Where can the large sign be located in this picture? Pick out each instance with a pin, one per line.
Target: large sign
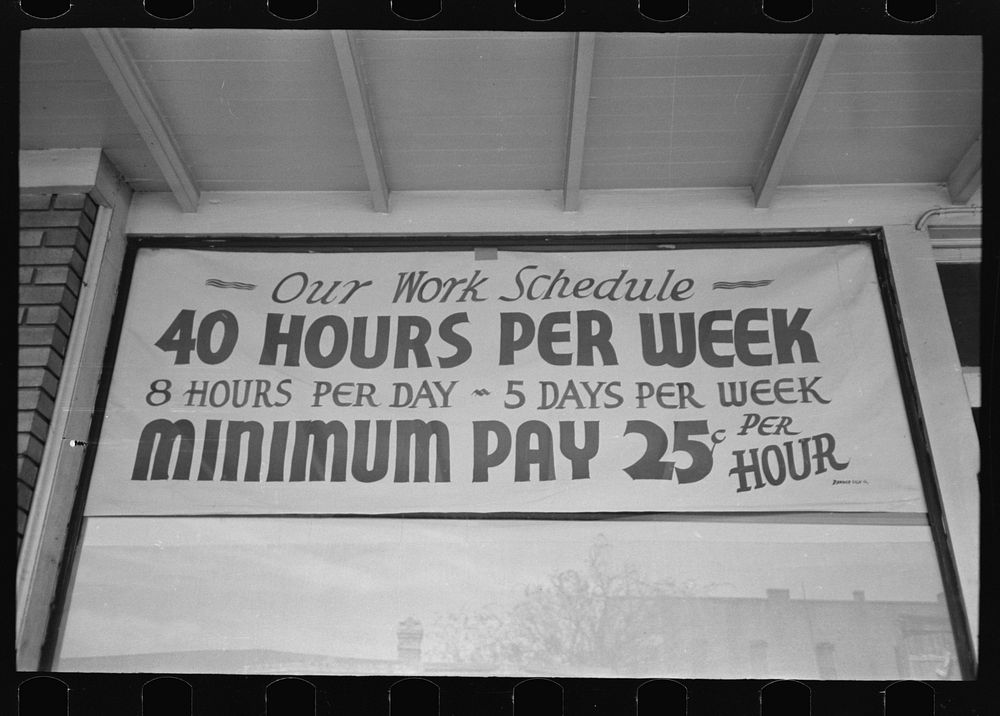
(676, 379)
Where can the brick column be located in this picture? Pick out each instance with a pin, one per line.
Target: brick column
(55, 232)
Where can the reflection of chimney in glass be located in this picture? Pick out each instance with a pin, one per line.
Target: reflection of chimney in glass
(409, 634)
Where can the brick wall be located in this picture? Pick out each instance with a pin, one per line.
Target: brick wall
(55, 232)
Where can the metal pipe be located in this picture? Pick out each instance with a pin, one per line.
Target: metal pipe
(945, 210)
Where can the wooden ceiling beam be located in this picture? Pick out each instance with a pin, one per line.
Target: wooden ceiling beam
(805, 84)
(364, 126)
(583, 66)
(966, 177)
(113, 55)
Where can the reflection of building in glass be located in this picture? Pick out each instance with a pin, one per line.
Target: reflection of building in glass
(825, 660)
(810, 638)
(713, 637)
(409, 638)
(757, 663)
(410, 634)
(926, 648)
(777, 636)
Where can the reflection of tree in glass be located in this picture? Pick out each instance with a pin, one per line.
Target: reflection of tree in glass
(604, 618)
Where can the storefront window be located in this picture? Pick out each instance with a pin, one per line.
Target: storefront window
(633, 463)
(629, 598)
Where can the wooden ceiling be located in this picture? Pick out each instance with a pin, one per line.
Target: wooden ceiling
(270, 110)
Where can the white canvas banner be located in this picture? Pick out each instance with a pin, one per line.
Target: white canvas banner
(693, 379)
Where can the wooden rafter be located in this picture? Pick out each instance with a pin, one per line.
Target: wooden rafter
(966, 177)
(583, 65)
(111, 52)
(805, 84)
(364, 126)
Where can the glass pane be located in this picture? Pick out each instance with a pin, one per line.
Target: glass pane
(624, 598)
(960, 283)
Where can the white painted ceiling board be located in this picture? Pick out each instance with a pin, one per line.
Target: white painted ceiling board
(67, 101)
(696, 115)
(905, 155)
(746, 153)
(230, 45)
(907, 53)
(474, 67)
(266, 110)
(470, 99)
(56, 116)
(956, 113)
(488, 155)
(58, 55)
(640, 107)
(271, 72)
(267, 182)
(902, 82)
(495, 126)
(63, 96)
(445, 141)
(278, 93)
(693, 66)
(223, 86)
(151, 185)
(632, 176)
(379, 45)
(282, 165)
(490, 91)
(82, 137)
(717, 174)
(883, 115)
(731, 85)
(277, 120)
(628, 44)
(695, 44)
